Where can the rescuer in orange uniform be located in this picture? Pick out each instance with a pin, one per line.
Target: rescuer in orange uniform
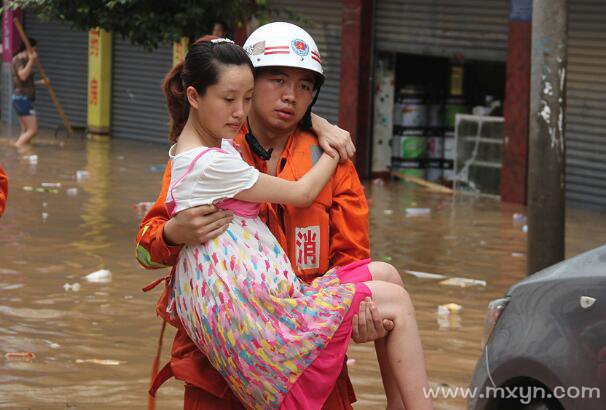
(333, 231)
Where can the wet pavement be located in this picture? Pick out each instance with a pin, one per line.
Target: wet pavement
(93, 347)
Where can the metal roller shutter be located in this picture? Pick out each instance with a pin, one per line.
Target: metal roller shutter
(138, 104)
(475, 28)
(586, 105)
(322, 20)
(64, 55)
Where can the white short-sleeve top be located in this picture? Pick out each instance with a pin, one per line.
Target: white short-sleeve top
(203, 175)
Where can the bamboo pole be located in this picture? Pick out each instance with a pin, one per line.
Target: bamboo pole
(427, 184)
(51, 91)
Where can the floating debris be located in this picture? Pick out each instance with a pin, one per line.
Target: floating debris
(388, 212)
(71, 191)
(51, 184)
(74, 287)
(519, 219)
(104, 362)
(82, 175)
(425, 275)
(52, 345)
(410, 212)
(463, 282)
(100, 276)
(449, 308)
(32, 159)
(19, 356)
(157, 168)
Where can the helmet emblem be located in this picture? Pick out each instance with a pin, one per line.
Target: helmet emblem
(300, 47)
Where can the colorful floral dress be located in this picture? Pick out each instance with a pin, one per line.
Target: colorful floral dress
(240, 301)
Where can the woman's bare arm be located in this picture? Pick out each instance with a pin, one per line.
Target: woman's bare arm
(301, 193)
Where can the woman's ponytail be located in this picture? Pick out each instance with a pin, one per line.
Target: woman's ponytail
(200, 70)
(176, 101)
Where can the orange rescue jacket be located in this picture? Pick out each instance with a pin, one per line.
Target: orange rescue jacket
(3, 190)
(333, 231)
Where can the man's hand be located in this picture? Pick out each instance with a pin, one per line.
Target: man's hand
(195, 226)
(333, 139)
(368, 326)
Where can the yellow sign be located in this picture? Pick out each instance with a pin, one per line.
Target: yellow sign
(180, 50)
(99, 80)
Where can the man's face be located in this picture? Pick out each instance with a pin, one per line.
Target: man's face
(282, 96)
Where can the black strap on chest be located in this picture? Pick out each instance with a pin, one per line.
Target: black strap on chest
(255, 146)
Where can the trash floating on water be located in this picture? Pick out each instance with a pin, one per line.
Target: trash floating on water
(517, 254)
(52, 345)
(19, 356)
(525, 229)
(449, 321)
(44, 216)
(388, 212)
(104, 362)
(28, 188)
(100, 276)
(463, 282)
(82, 175)
(51, 184)
(157, 168)
(32, 159)
(351, 362)
(519, 219)
(417, 212)
(378, 182)
(51, 190)
(74, 287)
(71, 191)
(425, 275)
(449, 308)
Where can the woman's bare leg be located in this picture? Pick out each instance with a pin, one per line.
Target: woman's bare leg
(387, 273)
(30, 123)
(403, 344)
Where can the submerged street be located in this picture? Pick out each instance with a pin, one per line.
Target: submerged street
(93, 344)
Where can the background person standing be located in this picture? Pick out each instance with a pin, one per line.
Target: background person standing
(24, 91)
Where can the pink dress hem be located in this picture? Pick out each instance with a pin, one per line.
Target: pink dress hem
(312, 388)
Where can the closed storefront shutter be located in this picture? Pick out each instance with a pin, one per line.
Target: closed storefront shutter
(138, 104)
(477, 29)
(63, 53)
(322, 20)
(586, 105)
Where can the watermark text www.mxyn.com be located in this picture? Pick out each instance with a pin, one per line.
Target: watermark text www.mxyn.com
(525, 394)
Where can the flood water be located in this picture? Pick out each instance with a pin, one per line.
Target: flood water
(94, 347)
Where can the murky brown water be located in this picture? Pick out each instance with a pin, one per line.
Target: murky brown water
(69, 331)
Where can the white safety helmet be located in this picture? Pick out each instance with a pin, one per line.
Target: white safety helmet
(284, 45)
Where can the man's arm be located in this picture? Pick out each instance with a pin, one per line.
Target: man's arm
(160, 237)
(350, 241)
(349, 236)
(152, 250)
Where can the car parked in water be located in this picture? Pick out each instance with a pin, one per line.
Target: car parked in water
(546, 341)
